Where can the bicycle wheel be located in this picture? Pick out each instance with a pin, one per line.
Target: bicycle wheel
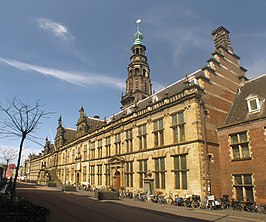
(195, 204)
(136, 197)
(209, 205)
(262, 209)
(169, 201)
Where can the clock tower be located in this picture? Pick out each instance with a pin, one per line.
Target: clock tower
(138, 84)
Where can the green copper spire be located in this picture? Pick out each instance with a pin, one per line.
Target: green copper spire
(138, 36)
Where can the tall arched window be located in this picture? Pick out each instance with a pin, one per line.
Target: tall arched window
(144, 72)
(145, 86)
(137, 71)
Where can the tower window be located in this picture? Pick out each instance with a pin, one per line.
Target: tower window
(145, 86)
(144, 72)
(137, 51)
(137, 84)
(137, 71)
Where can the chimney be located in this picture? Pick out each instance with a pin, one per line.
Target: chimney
(221, 38)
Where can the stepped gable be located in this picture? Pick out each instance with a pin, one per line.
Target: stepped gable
(254, 88)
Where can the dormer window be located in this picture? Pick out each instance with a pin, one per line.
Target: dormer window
(155, 98)
(193, 81)
(254, 103)
(129, 111)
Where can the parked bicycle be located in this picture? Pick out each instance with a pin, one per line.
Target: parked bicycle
(196, 202)
(225, 202)
(236, 205)
(141, 197)
(213, 203)
(179, 201)
(158, 197)
(250, 206)
(170, 199)
(192, 201)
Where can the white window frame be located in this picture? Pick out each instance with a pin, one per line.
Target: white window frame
(250, 99)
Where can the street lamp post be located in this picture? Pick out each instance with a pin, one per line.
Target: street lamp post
(65, 167)
(89, 161)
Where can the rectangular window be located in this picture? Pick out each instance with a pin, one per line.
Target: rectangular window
(129, 140)
(159, 172)
(107, 174)
(85, 152)
(92, 174)
(84, 173)
(142, 137)
(99, 174)
(129, 174)
(240, 146)
(100, 149)
(117, 143)
(92, 150)
(178, 126)
(108, 146)
(180, 171)
(72, 174)
(67, 175)
(158, 133)
(73, 156)
(254, 104)
(244, 188)
(142, 171)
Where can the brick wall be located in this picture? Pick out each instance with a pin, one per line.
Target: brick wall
(256, 165)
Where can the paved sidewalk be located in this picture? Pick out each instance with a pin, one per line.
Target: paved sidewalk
(218, 215)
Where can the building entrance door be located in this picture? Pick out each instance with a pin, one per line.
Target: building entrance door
(77, 179)
(117, 181)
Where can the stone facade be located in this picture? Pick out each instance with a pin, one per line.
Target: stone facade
(172, 133)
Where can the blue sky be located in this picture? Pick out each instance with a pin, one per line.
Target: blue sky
(73, 53)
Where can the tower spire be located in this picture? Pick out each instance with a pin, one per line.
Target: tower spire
(138, 36)
(138, 84)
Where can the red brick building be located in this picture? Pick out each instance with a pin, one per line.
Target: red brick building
(242, 142)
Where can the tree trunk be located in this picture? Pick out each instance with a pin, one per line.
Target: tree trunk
(18, 163)
(7, 162)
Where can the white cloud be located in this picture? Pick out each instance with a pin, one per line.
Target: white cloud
(76, 78)
(179, 28)
(55, 28)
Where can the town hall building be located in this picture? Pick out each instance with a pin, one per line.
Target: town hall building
(178, 135)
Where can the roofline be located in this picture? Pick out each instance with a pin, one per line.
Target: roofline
(180, 80)
(95, 118)
(240, 123)
(257, 77)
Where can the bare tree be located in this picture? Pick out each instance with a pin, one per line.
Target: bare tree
(9, 154)
(21, 121)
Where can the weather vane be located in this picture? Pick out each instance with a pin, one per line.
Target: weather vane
(138, 22)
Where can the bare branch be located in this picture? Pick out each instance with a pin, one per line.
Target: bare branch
(9, 154)
(21, 121)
